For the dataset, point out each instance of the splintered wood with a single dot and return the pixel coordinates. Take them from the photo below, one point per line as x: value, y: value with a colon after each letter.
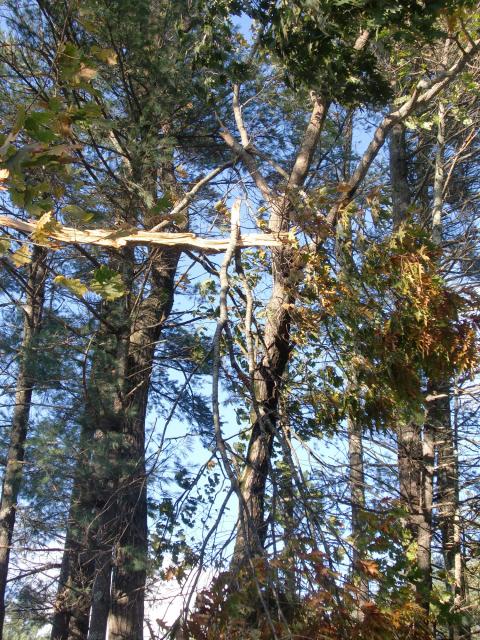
x: 121, y: 237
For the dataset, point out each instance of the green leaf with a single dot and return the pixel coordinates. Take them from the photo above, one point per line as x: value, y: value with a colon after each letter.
x: 107, y: 283
x: 77, y: 214
x: 4, y: 245
x: 19, y: 120
x: 44, y: 227
x: 162, y: 204
x: 35, y: 125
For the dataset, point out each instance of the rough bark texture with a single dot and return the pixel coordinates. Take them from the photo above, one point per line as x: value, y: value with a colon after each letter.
x: 357, y: 493
x: 424, y: 535
x: 101, y: 588
x: 354, y: 428
x: 401, y: 199
x: 109, y: 511
x: 252, y: 530
x: 109, y: 501
x: 125, y: 620
x: 415, y: 453
x: 448, y: 503
x: 96, y: 467
x: 12, y: 480
x: 439, y: 414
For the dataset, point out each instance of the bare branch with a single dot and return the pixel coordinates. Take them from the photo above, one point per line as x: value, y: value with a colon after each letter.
x: 188, y: 197
x: 118, y: 238
x: 423, y: 93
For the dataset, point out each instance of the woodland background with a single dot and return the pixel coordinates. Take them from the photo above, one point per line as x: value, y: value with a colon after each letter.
x: 239, y: 319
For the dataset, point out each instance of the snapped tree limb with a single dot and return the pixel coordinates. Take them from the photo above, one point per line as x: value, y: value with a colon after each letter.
x: 118, y: 238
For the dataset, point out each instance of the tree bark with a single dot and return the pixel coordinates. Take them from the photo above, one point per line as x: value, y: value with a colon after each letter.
x: 439, y: 412
x: 12, y: 479
x: 101, y: 586
x: 415, y: 453
x: 252, y: 529
x: 125, y: 620
x: 357, y: 494
x: 424, y: 536
x: 95, y: 470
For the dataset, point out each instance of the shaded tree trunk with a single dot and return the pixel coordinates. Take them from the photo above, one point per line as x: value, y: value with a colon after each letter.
x: 101, y: 587
x: 126, y: 615
x: 252, y: 529
x: 357, y: 493
x: 111, y: 482
x: 96, y: 467
x: 439, y: 412
x: 111, y: 479
x: 447, y: 485
x: 12, y: 478
x: 424, y: 535
x: 125, y: 620
x: 354, y: 428
x: 415, y: 450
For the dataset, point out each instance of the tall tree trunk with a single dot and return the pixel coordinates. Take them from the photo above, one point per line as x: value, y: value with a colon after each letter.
x: 439, y: 412
x: 354, y: 428
x: 252, y: 529
x: 95, y: 469
x: 415, y: 453
x: 125, y: 620
x: 126, y: 616
x: 447, y: 485
x: 111, y: 479
x: 12, y: 478
x: 101, y: 586
x: 357, y: 494
x: 424, y: 535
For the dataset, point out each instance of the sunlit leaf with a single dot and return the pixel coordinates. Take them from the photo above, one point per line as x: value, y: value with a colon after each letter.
x: 22, y: 256
x: 107, y: 283
x: 72, y: 284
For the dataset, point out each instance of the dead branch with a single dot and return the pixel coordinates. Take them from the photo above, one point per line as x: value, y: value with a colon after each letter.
x: 118, y: 238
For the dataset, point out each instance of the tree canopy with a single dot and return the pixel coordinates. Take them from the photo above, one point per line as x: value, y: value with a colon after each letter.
x: 239, y: 300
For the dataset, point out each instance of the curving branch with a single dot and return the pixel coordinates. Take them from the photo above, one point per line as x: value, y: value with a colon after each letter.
x: 422, y: 94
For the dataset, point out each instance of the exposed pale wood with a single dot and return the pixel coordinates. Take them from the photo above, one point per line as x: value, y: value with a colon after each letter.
x: 120, y: 238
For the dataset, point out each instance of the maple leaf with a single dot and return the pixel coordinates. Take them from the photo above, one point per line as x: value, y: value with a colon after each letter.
x: 368, y: 567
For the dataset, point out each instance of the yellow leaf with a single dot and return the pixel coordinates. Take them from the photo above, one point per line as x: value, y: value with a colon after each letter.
x: 292, y: 234
x: 72, y: 284
x: 44, y: 227
x: 86, y: 73
x: 22, y: 256
x: 4, y: 245
x: 4, y: 173
x: 105, y: 55
x: 181, y: 171
x: 368, y: 567
x: 170, y: 573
